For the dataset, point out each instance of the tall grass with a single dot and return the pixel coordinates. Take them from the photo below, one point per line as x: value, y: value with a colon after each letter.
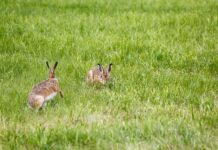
x: 164, y: 88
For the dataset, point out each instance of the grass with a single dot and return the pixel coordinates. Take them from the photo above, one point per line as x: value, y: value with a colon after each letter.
x: 164, y: 88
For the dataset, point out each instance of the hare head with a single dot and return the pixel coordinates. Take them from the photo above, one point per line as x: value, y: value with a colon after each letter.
x: 106, y: 72
x: 51, y: 71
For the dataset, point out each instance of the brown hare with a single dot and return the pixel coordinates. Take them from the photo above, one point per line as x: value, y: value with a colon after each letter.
x: 45, y: 90
x: 99, y: 75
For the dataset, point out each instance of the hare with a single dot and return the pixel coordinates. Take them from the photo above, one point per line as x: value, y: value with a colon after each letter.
x: 99, y: 75
x: 46, y: 90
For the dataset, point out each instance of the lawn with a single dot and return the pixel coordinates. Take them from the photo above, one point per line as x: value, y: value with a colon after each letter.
x: 163, y: 92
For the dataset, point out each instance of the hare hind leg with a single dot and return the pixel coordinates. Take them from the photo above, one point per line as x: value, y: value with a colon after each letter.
x: 36, y: 101
x: 89, y: 78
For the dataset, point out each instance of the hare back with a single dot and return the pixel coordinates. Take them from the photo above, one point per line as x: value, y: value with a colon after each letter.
x: 46, y: 88
x: 94, y: 75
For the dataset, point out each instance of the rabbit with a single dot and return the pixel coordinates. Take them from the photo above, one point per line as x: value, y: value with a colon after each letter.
x: 46, y: 90
x: 99, y: 75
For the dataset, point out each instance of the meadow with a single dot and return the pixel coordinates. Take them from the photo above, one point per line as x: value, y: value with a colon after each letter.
x: 163, y: 92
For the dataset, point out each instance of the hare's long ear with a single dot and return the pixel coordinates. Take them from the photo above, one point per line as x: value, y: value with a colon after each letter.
x: 55, y: 65
x: 100, y: 67
x: 110, y: 67
x: 47, y: 64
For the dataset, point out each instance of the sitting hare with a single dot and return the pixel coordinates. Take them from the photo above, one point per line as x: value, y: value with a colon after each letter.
x: 99, y: 75
x: 45, y: 91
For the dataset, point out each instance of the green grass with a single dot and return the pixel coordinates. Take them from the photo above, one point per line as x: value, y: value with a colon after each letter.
x: 164, y: 88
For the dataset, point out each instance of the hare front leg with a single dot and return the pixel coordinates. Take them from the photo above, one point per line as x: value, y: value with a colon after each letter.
x: 61, y: 93
x: 58, y: 89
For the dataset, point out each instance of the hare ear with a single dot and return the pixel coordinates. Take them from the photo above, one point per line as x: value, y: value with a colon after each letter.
x: 55, y: 65
x: 47, y: 64
x: 99, y: 67
x: 110, y: 67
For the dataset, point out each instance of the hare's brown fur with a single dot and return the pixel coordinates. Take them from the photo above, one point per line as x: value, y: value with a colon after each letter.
x: 45, y: 90
x: 98, y: 75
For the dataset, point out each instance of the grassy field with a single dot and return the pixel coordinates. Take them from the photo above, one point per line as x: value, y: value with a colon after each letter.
x: 164, y: 88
